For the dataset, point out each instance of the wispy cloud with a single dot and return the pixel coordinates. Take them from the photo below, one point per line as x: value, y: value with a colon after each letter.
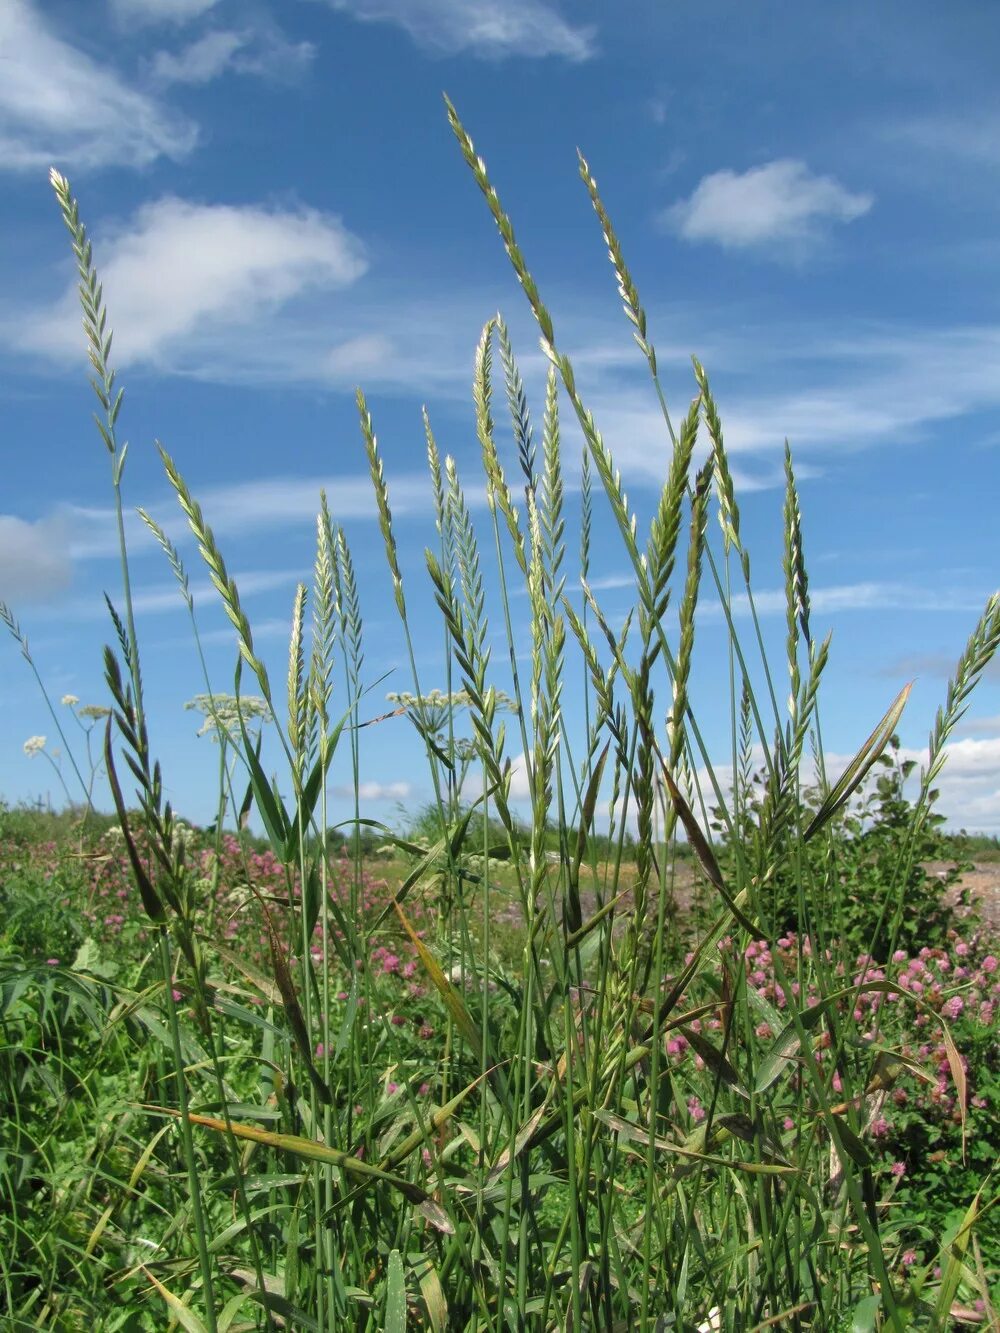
x: 247, y: 508
x: 178, y: 267
x: 782, y: 201
x: 503, y: 28
x: 869, y: 596
x: 980, y: 726
x: 273, y: 502
x: 940, y: 666
x: 161, y: 11
x: 969, y: 783
x: 841, y: 390
x: 156, y: 599
x: 830, y: 600
x: 264, y: 53
x: 973, y: 137
x: 58, y: 105
x: 35, y: 560
x: 166, y: 598
x: 377, y: 791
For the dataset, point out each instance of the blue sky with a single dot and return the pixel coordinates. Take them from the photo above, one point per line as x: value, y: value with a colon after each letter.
x: 807, y: 198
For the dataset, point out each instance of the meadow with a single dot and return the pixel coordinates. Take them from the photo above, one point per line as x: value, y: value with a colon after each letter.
x: 685, y: 1047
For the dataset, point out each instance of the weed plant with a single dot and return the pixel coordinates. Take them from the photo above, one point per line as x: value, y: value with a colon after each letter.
x: 315, y: 1100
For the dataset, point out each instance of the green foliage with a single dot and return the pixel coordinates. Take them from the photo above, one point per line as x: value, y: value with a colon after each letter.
x: 866, y: 882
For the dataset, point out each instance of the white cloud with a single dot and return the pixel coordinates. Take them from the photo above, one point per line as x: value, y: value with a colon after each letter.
x: 161, y: 11
x: 971, y: 138
x: 57, y: 105
x: 377, y: 791
x: 166, y: 597
x: 969, y: 783
x: 201, y: 61
x: 272, y: 502
x: 871, y: 596
x: 841, y: 392
x: 520, y: 788
x: 358, y: 357
x: 35, y: 561
x: 502, y: 28
x: 181, y: 269
x: 246, y: 509
x: 985, y: 726
x: 781, y: 201
x: 264, y: 52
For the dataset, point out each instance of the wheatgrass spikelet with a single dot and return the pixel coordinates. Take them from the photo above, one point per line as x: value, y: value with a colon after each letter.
x: 349, y: 607
x: 99, y: 336
x: 586, y: 515
x: 729, y: 510
x: 482, y: 701
x: 173, y: 556
x: 218, y: 573
x: 497, y: 490
x: 975, y: 658
x: 627, y: 289
x: 664, y: 531
x: 434, y: 464
x: 800, y: 577
x: 324, y: 617
x: 10, y: 620
x: 503, y: 222
x: 297, y: 696
x: 791, y: 559
x: 551, y: 513
x: 382, y: 501
x: 467, y: 555
x: 610, y: 477
x: 517, y: 402
x: 689, y: 603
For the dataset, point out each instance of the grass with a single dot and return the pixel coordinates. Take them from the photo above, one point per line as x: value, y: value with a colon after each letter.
x: 498, y: 1080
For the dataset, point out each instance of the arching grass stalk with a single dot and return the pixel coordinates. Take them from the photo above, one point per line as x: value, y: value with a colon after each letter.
x: 131, y: 709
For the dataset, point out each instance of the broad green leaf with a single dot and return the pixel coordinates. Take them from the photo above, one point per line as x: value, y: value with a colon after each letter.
x: 866, y: 1313
x: 453, y: 1001
x: 854, y: 773
x: 184, y: 1316
x: 272, y: 812
x: 954, y: 1256
x: 150, y: 899
x: 311, y: 1150
x: 785, y: 1046
x: 434, y: 1298
x: 395, y: 1295
x: 716, y: 1061
x: 704, y: 852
